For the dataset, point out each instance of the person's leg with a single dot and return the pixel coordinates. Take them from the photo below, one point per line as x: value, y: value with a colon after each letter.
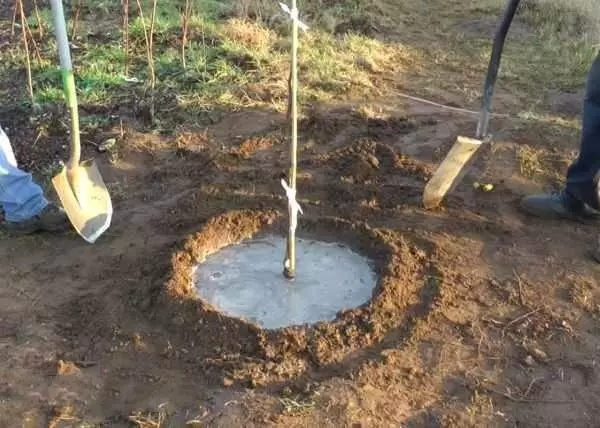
x: 581, y: 196
x: 583, y: 175
x: 20, y: 197
x: 25, y: 208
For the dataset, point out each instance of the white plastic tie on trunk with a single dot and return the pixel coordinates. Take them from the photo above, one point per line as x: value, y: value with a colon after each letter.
x: 293, y: 13
x: 293, y: 205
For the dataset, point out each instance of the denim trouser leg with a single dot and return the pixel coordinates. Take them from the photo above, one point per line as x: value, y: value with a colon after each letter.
x: 583, y: 175
x: 20, y: 197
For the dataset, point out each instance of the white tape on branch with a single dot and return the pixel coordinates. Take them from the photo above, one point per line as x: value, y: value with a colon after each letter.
x: 293, y: 13
x: 293, y: 205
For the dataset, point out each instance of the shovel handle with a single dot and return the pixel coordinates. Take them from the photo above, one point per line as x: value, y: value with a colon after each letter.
x: 68, y: 79
x: 494, y: 66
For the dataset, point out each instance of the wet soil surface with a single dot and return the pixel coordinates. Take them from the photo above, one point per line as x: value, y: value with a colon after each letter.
x: 481, y: 315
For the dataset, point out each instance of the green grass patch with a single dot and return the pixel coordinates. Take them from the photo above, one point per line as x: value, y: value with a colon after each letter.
x: 238, y: 51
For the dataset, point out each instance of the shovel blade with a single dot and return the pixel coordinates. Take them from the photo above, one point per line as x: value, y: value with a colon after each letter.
x: 86, y: 200
x: 446, y: 175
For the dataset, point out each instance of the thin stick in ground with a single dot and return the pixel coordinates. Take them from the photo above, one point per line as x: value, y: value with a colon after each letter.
x: 149, y: 52
x: 525, y: 400
x: 184, y: 29
x: 14, y: 18
x: 40, y: 23
x: 520, y: 318
x: 520, y: 284
x: 153, y: 80
x: 126, y: 36
x: 492, y: 390
x: 34, y: 45
x: 204, y: 52
x: 26, y: 45
x: 76, y: 19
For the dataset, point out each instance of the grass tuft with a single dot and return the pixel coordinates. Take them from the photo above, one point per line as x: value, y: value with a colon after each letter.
x: 237, y: 52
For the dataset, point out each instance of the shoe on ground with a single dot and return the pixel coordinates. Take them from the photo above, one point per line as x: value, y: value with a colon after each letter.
x: 558, y: 206
x: 51, y: 219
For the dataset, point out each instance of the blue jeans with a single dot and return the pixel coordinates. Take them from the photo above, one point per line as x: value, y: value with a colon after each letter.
x: 20, y: 197
x: 584, y: 174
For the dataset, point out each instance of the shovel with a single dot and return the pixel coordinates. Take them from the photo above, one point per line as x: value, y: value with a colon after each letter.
x: 464, y: 148
x: 79, y: 186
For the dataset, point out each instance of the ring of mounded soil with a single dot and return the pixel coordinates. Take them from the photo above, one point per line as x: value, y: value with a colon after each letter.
x: 400, y: 266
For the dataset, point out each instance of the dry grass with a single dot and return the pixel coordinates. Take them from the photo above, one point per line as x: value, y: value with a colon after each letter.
x: 253, y: 9
x: 150, y: 419
x: 295, y: 406
x: 66, y: 368
x: 62, y: 414
x: 582, y: 295
x: 570, y: 18
x: 353, y: 50
x: 247, y: 33
x: 542, y: 165
x: 529, y: 162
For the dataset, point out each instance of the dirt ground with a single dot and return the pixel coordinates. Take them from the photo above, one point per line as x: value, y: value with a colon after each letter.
x: 481, y: 316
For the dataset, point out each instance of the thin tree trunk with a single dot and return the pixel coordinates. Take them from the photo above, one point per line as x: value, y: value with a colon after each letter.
x: 76, y: 19
x: 185, y: 26
x: 39, y: 19
x: 36, y: 50
x: 26, y: 44
x: 126, y: 35
x: 153, y: 81
x: 149, y: 52
x: 14, y: 18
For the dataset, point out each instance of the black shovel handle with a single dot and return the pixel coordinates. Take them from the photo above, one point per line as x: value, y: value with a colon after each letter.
x: 494, y: 66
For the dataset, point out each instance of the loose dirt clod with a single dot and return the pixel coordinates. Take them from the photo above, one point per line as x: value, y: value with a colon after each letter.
x: 107, y: 145
x: 66, y: 368
x: 63, y: 413
x: 138, y: 342
x: 540, y: 355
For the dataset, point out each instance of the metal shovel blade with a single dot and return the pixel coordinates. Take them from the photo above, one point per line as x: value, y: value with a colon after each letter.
x: 445, y: 176
x: 464, y: 148
x: 85, y: 198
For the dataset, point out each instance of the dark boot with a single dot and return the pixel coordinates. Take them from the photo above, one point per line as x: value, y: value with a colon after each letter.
x: 51, y: 219
x: 558, y: 206
x: 581, y: 197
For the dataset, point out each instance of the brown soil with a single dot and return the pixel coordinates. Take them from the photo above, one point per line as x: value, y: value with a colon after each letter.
x: 482, y: 317
x: 401, y: 268
x: 567, y: 104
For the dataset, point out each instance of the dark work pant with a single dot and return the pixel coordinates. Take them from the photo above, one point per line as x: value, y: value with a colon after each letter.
x: 584, y: 174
